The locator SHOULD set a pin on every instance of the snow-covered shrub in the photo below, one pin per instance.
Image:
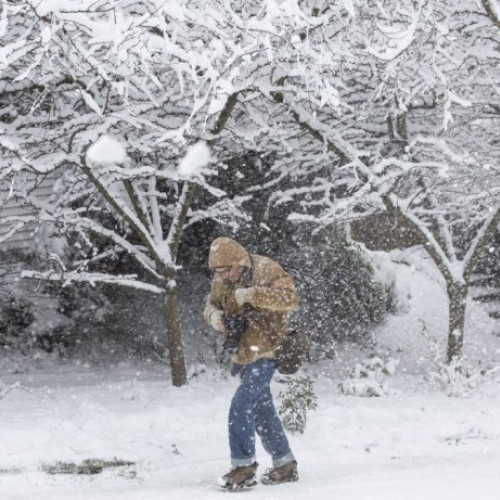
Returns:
(296, 401)
(85, 305)
(45, 317)
(28, 324)
(398, 293)
(16, 315)
(461, 377)
(458, 378)
(369, 378)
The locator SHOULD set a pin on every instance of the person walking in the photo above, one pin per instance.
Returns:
(249, 303)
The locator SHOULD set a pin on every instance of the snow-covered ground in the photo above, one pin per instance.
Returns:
(414, 443)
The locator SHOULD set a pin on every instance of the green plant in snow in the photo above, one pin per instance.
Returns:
(296, 400)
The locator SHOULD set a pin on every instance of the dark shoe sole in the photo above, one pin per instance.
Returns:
(249, 483)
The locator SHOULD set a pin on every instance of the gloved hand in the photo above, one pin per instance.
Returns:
(216, 321)
(244, 295)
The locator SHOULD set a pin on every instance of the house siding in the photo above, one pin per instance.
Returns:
(13, 206)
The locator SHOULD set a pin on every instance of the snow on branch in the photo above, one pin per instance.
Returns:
(131, 249)
(443, 147)
(398, 40)
(450, 270)
(14, 227)
(492, 10)
(66, 278)
(121, 208)
(226, 212)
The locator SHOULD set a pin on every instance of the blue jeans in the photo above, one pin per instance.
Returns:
(252, 411)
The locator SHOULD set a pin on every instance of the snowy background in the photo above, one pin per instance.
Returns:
(414, 442)
(134, 133)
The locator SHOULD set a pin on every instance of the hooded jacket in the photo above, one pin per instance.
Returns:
(270, 297)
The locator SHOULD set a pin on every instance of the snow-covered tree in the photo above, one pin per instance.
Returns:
(109, 95)
(412, 130)
(365, 106)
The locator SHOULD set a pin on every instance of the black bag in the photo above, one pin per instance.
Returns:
(292, 351)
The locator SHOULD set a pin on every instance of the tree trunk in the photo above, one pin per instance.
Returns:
(174, 333)
(172, 320)
(457, 294)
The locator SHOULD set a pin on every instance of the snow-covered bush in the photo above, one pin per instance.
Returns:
(457, 378)
(461, 377)
(398, 293)
(31, 323)
(369, 378)
(86, 306)
(16, 314)
(296, 401)
(38, 317)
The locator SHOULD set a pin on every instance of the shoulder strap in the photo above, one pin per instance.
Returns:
(249, 275)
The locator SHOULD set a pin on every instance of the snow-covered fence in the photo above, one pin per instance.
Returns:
(14, 212)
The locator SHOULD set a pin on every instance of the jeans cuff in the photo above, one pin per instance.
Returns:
(242, 462)
(279, 462)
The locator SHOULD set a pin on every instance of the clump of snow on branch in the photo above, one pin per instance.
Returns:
(197, 157)
(397, 41)
(107, 150)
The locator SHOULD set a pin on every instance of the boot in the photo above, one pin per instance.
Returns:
(285, 474)
(239, 477)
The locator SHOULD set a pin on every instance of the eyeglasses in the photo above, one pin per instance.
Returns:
(221, 270)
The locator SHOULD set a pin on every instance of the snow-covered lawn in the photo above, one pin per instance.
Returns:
(413, 444)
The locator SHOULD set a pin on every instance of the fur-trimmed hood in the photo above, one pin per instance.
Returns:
(224, 252)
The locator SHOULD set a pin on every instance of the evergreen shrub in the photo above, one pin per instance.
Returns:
(296, 401)
(341, 298)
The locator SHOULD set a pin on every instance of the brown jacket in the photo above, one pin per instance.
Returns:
(273, 296)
